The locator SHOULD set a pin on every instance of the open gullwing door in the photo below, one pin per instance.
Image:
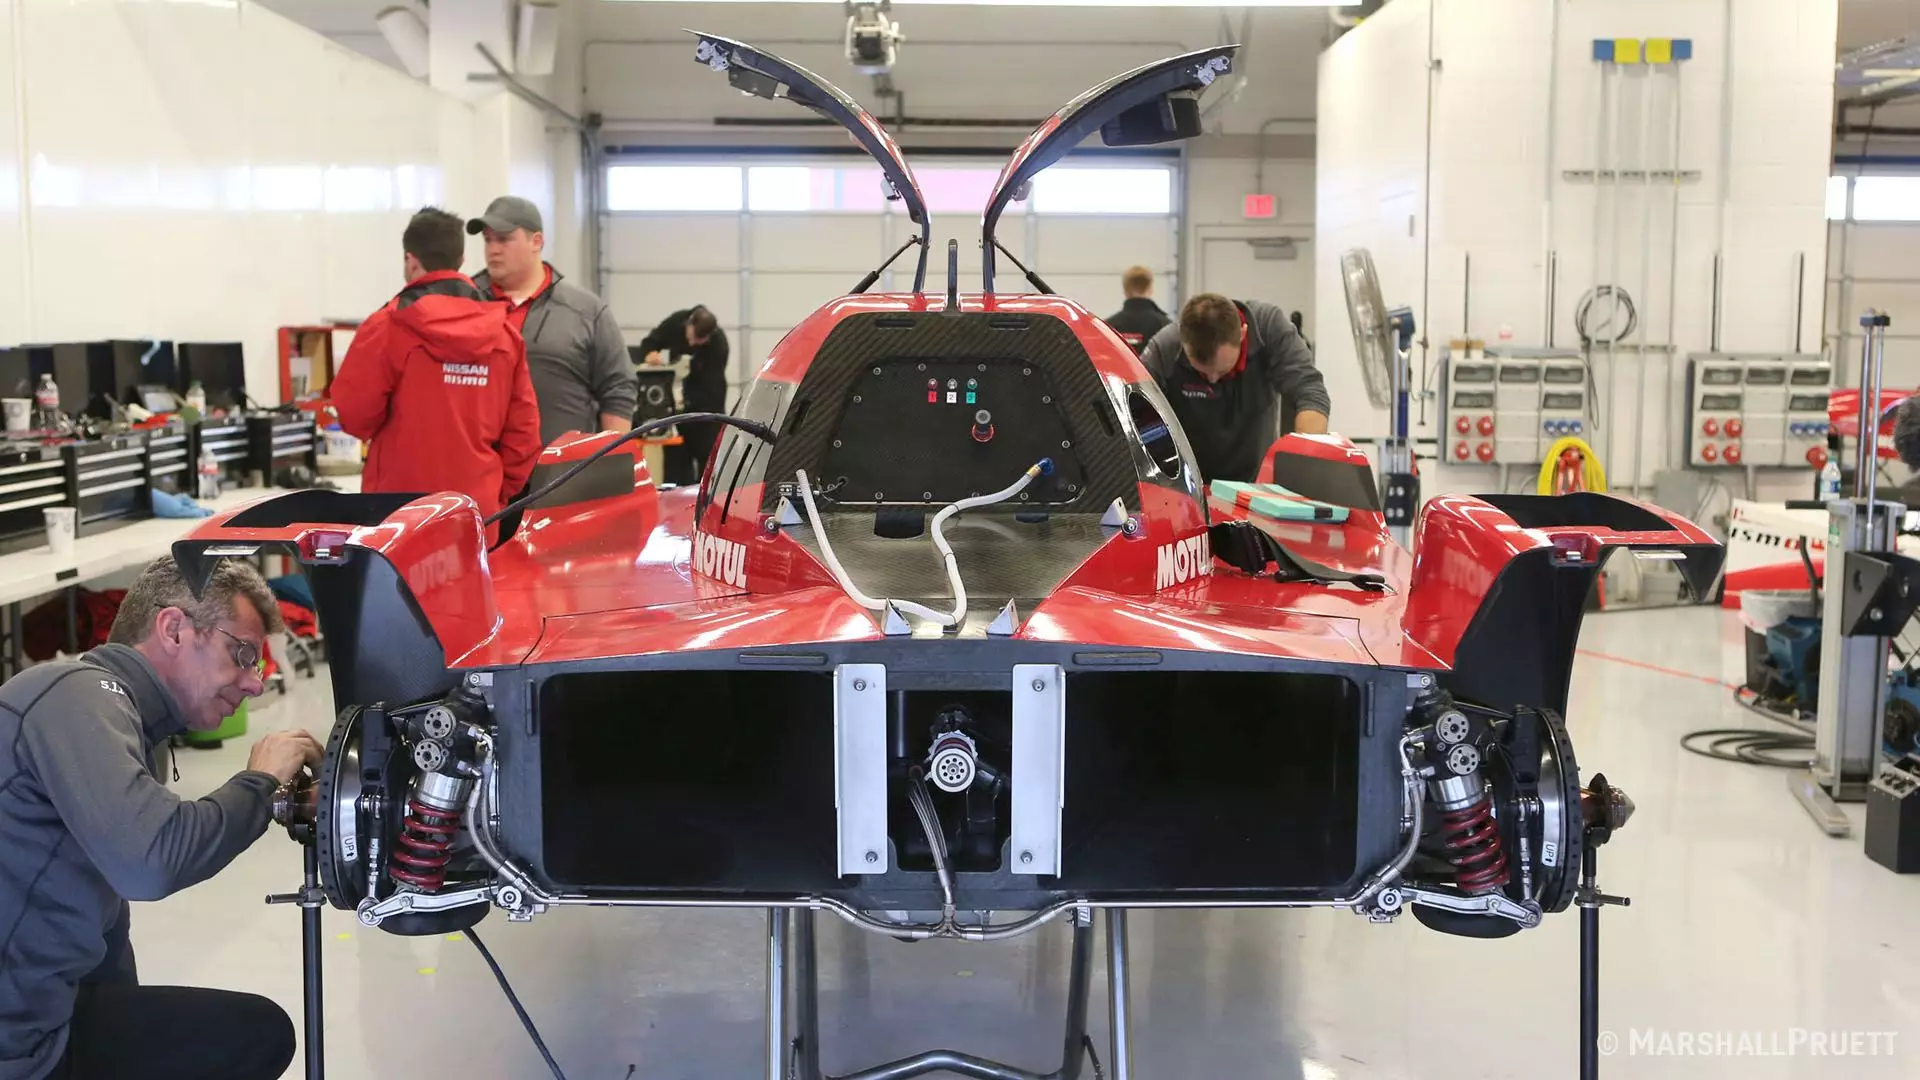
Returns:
(1154, 103)
(765, 75)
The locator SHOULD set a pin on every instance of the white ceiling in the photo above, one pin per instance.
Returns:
(640, 72)
(633, 64)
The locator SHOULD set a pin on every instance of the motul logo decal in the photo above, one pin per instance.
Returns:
(720, 559)
(1183, 560)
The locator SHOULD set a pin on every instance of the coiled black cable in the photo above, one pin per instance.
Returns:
(1753, 746)
(1622, 302)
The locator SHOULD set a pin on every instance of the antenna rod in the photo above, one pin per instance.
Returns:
(953, 274)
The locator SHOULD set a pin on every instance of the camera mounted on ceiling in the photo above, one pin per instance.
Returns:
(873, 38)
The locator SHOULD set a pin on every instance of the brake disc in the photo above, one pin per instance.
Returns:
(338, 822)
(1561, 825)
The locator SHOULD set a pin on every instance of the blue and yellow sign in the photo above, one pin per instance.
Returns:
(1642, 51)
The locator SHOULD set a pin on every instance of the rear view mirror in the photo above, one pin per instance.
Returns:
(1164, 119)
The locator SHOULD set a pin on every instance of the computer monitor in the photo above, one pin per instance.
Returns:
(84, 372)
(143, 363)
(16, 372)
(220, 367)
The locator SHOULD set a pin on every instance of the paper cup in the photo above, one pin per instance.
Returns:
(61, 521)
(19, 414)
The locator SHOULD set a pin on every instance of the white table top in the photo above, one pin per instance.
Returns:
(37, 571)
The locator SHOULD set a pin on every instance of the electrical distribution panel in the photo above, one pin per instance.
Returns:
(1809, 383)
(1510, 405)
(1760, 410)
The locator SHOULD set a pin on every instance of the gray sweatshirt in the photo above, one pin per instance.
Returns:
(86, 824)
(576, 356)
(1231, 423)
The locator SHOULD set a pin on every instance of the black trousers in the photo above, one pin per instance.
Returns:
(685, 463)
(127, 1032)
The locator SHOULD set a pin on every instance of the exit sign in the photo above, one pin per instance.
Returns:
(1258, 206)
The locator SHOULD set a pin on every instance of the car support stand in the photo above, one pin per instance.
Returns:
(1604, 809)
(1853, 652)
(793, 1019)
(310, 899)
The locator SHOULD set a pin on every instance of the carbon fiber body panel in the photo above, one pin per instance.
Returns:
(862, 341)
(1000, 559)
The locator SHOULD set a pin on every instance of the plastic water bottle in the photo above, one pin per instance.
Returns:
(46, 397)
(1830, 480)
(197, 397)
(209, 469)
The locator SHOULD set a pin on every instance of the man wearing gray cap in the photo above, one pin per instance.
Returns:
(581, 374)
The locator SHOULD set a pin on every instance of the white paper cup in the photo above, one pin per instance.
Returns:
(19, 414)
(61, 521)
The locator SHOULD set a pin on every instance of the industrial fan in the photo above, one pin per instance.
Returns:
(1383, 342)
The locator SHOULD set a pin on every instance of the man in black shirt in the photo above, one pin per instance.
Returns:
(695, 335)
(1139, 318)
(1238, 376)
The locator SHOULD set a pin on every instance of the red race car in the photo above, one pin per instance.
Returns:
(952, 640)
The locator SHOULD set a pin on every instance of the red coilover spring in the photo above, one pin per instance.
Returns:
(425, 846)
(1472, 840)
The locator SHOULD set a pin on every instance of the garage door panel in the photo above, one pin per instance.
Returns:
(814, 242)
(644, 299)
(784, 298)
(1104, 244)
(1098, 293)
(672, 242)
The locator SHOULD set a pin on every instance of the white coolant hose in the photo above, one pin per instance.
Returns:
(840, 573)
(908, 607)
(1044, 465)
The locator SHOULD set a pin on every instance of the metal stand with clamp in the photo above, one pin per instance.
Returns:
(793, 1014)
(1604, 809)
(295, 811)
(1400, 485)
(1871, 592)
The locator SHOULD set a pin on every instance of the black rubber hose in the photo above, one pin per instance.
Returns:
(751, 427)
(520, 1011)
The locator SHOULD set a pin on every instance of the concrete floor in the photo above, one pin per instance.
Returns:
(1746, 922)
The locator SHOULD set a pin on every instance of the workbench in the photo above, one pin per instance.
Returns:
(37, 571)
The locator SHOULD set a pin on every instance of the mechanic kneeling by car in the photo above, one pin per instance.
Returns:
(86, 824)
(1226, 366)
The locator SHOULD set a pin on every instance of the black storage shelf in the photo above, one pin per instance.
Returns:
(169, 468)
(278, 440)
(107, 479)
(32, 477)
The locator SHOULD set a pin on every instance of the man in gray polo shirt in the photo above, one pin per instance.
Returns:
(581, 373)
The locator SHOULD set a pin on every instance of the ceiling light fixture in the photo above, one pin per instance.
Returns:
(405, 28)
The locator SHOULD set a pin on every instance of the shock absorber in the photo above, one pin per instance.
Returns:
(1469, 834)
(425, 846)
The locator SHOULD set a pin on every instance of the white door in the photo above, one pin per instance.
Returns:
(1275, 268)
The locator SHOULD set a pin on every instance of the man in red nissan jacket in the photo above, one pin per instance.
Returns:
(437, 380)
